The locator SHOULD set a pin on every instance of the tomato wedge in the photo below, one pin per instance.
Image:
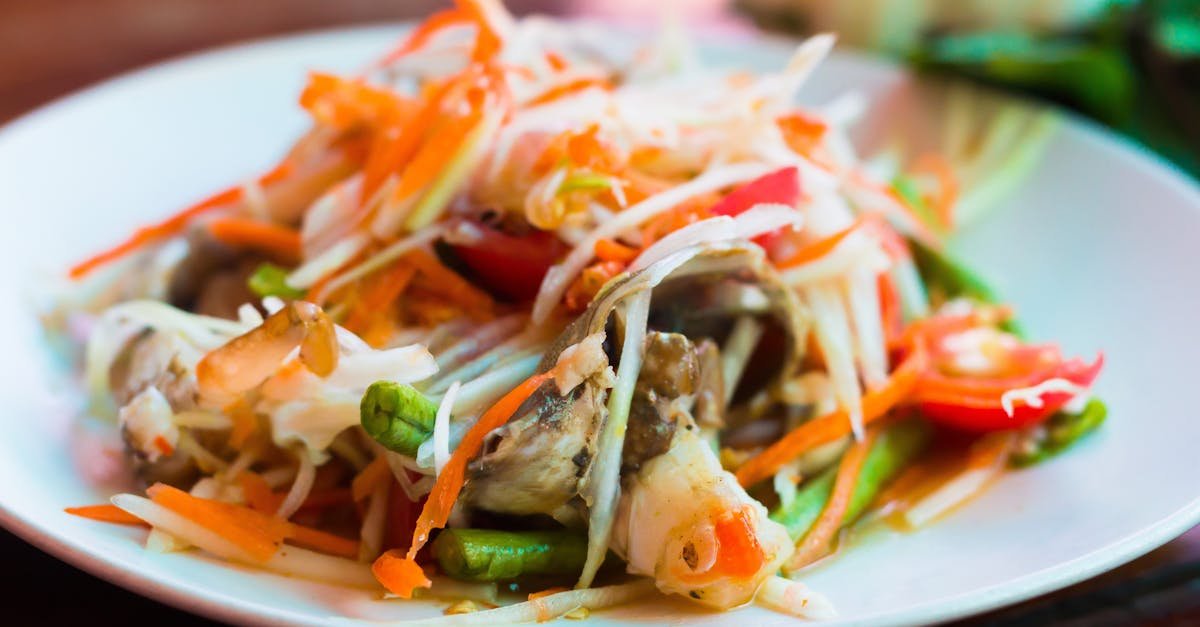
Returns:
(509, 266)
(977, 411)
(779, 187)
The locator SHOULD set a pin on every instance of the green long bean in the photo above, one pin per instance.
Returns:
(895, 447)
(490, 555)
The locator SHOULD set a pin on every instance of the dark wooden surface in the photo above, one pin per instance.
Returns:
(51, 47)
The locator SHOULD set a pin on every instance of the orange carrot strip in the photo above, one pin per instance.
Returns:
(106, 513)
(401, 575)
(173, 225)
(612, 250)
(836, 424)
(273, 240)
(816, 542)
(803, 133)
(821, 247)
(322, 541)
(259, 496)
(422, 34)
(255, 533)
(487, 41)
(375, 474)
(440, 145)
(449, 283)
(555, 60)
(383, 290)
(396, 144)
(568, 88)
(545, 593)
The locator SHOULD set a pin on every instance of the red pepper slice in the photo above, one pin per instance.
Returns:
(510, 266)
(779, 187)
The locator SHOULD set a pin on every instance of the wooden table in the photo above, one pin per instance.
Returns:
(51, 47)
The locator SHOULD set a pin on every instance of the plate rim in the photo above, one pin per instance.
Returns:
(215, 604)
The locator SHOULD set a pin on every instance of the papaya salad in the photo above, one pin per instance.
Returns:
(536, 329)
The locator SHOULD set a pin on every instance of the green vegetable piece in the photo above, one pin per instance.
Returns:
(489, 555)
(397, 416)
(1095, 76)
(1059, 433)
(270, 280)
(581, 182)
(892, 450)
(947, 278)
(907, 189)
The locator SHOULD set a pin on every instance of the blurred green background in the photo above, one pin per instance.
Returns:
(1134, 66)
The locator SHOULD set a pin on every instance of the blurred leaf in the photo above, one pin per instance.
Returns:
(1094, 77)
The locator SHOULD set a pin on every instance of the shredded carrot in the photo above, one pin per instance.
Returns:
(163, 445)
(175, 224)
(677, 218)
(568, 88)
(555, 61)
(545, 593)
(890, 311)
(823, 246)
(106, 513)
(401, 575)
(344, 103)
(374, 300)
(374, 475)
(803, 133)
(836, 424)
(273, 240)
(258, 494)
(943, 203)
(818, 539)
(612, 250)
(396, 144)
(588, 283)
(449, 283)
(441, 144)
(261, 498)
(322, 541)
(258, 533)
(255, 533)
(487, 40)
(422, 34)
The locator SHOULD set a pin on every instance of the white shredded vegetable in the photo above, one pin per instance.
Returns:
(559, 277)
(604, 483)
(441, 429)
(305, 475)
(1032, 396)
(833, 336)
(736, 352)
(794, 599)
(751, 223)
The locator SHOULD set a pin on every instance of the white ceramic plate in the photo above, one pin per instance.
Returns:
(1096, 249)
